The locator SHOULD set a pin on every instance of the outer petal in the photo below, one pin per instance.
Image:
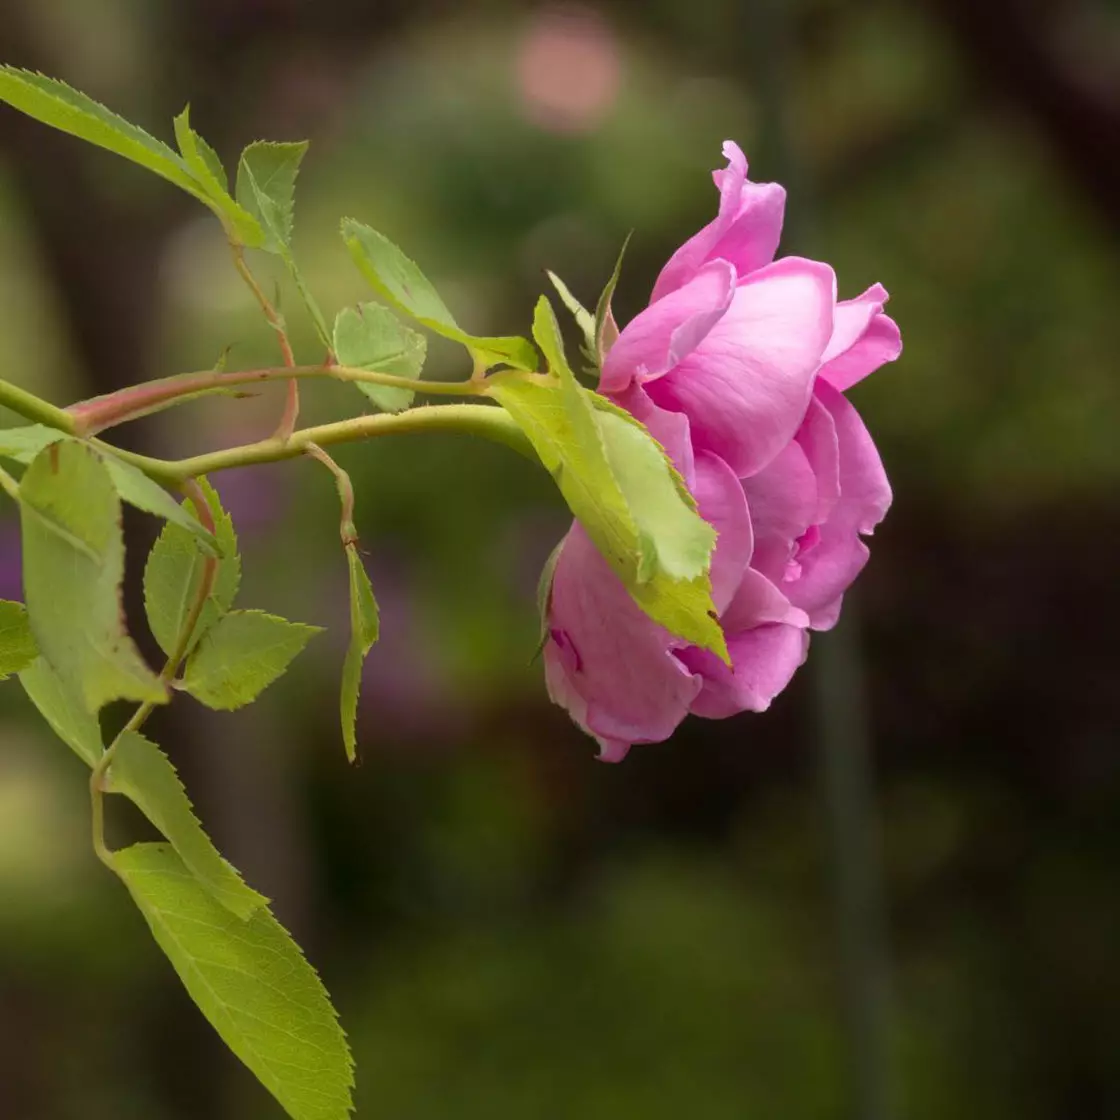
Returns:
(606, 662)
(817, 438)
(758, 600)
(764, 661)
(745, 232)
(722, 503)
(669, 330)
(838, 556)
(782, 499)
(863, 339)
(746, 387)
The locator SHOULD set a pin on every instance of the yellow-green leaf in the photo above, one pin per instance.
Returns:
(73, 563)
(250, 980)
(364, 629)
(144, 774)
(241, 655)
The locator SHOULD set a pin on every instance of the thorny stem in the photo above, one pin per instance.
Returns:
(291, 404)
(98, 413)
(182, 644)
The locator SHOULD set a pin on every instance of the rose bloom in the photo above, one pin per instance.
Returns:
(738, 367)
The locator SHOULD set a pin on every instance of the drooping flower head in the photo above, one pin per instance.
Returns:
(738, 367)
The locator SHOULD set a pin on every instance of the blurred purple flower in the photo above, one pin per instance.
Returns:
(738, 368)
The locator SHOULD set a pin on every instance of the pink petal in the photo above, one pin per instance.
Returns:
(757, 600)
(764, 661)
(669, 330)
(746, 386)
(865, 495)
(605, 661)
(745, 232)
(722, 503)
(863, 339)
(782, 499)
(817, 438)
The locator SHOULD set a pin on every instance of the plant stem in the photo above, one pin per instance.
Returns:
(492, 423)
(35, 409)
(98, 413)
(167, 674)
(346, 528)
(291, 403)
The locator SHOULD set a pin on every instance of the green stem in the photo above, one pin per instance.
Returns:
(35, 409)
(492, 423)
(98, 413)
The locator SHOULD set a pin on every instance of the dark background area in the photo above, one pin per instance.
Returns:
(510, 929)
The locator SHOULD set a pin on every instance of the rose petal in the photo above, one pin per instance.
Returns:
(763, 663)
(745, 232)
(865, 495)
(757, 600)
(606, 662)
(818, 439)
(746, 387)
(669, 330)
(722, 503)
(863, 339)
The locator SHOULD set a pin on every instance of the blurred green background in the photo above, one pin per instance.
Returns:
(510, 929)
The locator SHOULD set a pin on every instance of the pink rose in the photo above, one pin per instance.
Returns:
(738, 368)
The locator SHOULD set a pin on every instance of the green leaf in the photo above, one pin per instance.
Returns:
(203, 163)
(619, 484)
(606, 330)
(136, 488)
(364, 629)
(398, 280)
(56, 104)
(544, 595)
(584, 318)
(252, 983)
(73, 562)
(64, 711)
(132, 484)
(266, 183)
(144, 774)
(241, 655)
(17, 643)
(174, 569)
(371, 337)
(24, 443)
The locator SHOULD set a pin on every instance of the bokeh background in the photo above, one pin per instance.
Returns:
(893, 895)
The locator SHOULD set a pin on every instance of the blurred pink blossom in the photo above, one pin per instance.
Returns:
(568, 69)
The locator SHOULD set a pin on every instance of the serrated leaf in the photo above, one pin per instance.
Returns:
(252, 983)
(144, 774)
(58, 105)
(399, 281)
(203, 163)
(24, 443)
(17, 643)
(585, 320)
(136, 488)
(266, 182)
(364, 629)
(132, 484)
(174, 569)
(544, 595)
(241, 655)
(606, 330)
(64, 711)
(73, 563)
(371, 337)
(622, 489)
